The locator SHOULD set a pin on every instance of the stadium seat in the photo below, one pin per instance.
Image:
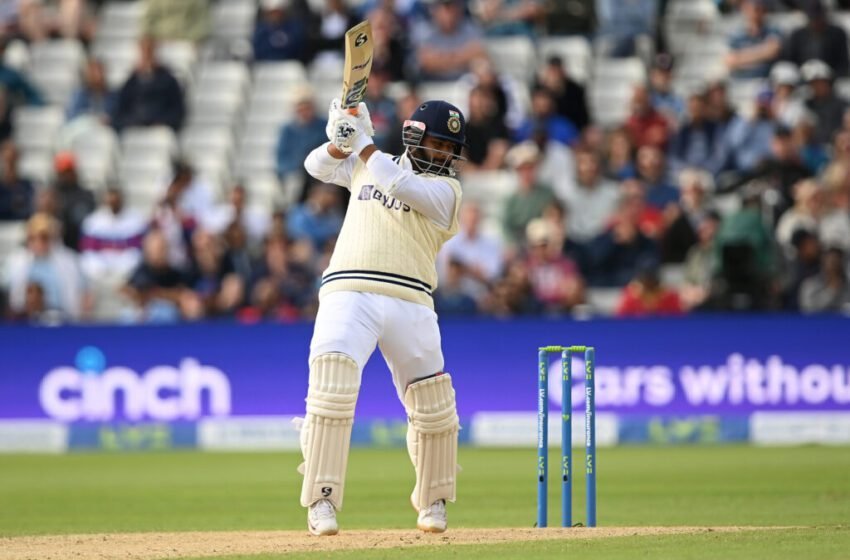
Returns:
(611, 89)
(514, 56)
(279, 74)
(118, 56)
(121, 20)
(36, 127)
(222, 76)
(263, 190)
(179, 57)
(447, 91)
(218, 112)
(37, 166)
(786, 22)
(742, 93)
(61, 54)
(233, 19)
(57, 85)
(155, 141)
(574, 51)
(12, 236)
(604, 301)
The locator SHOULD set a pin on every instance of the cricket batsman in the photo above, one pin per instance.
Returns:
(377, 291)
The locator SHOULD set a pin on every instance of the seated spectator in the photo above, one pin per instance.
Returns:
(829, 290)
(569, 95)
(555, 278)
(695, 142)
(684, 219)
(285, 284)
(814, 155)
(220, 292)
(318, 219)
(802, 263)
(280, 34)
(197, 196)
(663, 98)
(450, 298)
(34, 310)
(543, 115)
(382, 109)
(824, 104)
(478, 255)
(73, 201)
(787, 106)
(111, 243)
(746, 143)
(450, 44)
(557, 164)
(151, 96)
(238, 259)
(818, 39)
(652, 171)
(389, 45)
(700, 264)
(752, 51)
(46, 262)
(530, 198)
(405, 106)
(299, 136)
(16, 193)
(174, 223)
(616, 255)
(622, 23)
(646, 125)
(834, 228)
(166, 20)
(256, 221)
(501, 18)
(327, 32)
(619, 156)
(804, 215)
(486, 133)
(718, 108)
(508, 93)
(591, 199)
(651, 221)
(513, 295)
(94, 97)
(17, 87)
(645, 296)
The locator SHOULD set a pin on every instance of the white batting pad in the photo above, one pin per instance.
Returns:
(326, 432)
(432, 439)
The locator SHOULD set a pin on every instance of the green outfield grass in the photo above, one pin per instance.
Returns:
(663, 486)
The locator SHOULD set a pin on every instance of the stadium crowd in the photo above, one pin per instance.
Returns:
(692, 203)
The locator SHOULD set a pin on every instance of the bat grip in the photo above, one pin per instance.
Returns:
(352, 111)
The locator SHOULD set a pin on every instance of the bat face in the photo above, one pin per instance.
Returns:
(358, 64)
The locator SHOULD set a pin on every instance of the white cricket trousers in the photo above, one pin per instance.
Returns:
(353, 323)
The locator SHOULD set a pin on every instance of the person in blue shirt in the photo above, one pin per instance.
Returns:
(651, 170)
(279, 34)
(753, 50)
(94, 96)
(318, 219)
(299, 136)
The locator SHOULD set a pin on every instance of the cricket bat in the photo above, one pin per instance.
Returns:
(358, 64)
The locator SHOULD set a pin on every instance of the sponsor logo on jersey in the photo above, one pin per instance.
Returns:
(368, 192)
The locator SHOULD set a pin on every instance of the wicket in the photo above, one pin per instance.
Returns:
(566, 432)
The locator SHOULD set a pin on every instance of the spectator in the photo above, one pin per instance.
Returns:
(543, 115)
(569, 95)
(450, 44)
(255, 221)
(509, 94)
(450, 297)
(318, 218)
(663, 98)
(645, 296)
(557, 165)
(486, 133)
(17, 87)
(804, 215)
(813, 154)
(619, 156)
(94, 98)
(389, 45)
(695, 142)
(555, 278)
(111, 244)
(328, 36)
(405, 106)
(513, 295)
(570, 18)
(818, 39)
(787, 107)
(279, 34)
(531, 196)
(685, 218)
(622, 23)
(174, 223)
(16, 193)
(45, 262)
(510, 17)
(826, 106)
(829, 290)
(803, 263)
(646, 125)
(746, 143)
(478, 255)
(220, 292)
(151, 96)
(299, 136)
(834, 228)
(754, 49)
(284, 284)
(617, 254)
(591, 199)
(73, 201)
(238, 260)
(701, 264)
(382, 109)
(718, 108)
(159, 291)
(166, 20)
(651, 169)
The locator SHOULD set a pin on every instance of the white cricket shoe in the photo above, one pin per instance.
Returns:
(433, 519)
(321, 519)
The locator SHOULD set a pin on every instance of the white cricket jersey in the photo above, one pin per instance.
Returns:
(395, 224)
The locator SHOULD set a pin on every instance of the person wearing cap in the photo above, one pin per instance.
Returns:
(746, 142)
(301, 135)
(664, 99)
(555, 278)
(46, 262)
(530, 198)
(73, 201)
(450, 44)
(818, 39)
(752, 50)
(823, 103)
(569, 95)
(279, 34)
(787, 106)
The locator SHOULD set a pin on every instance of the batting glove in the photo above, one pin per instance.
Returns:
(336, 113)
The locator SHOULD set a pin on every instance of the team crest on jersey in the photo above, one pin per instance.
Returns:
(454, 121)
(365, 192)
